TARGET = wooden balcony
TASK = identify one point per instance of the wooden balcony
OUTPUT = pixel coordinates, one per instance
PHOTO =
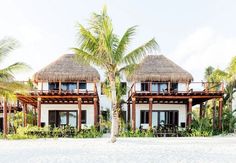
(164, 92)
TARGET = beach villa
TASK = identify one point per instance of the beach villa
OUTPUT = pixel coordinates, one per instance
(158, 93)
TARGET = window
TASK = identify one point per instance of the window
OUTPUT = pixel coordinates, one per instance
(144, 86)
(144, 116)
(53, 86)
(82, 85)
(163, 87)
(123, 86)
(62, 118)
(174, 86)
(68, 86)
(155, 87)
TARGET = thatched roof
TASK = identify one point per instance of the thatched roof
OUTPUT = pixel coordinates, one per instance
(159, 68)
(67, 69)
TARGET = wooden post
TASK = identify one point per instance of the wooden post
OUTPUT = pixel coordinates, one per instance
(39, 111)
(190, 112)
(128, 110)
(150, 112)
(5, 130)
(79, 113)
(35, 116)
(24, 114)
(214, 113)
(201, 111)
(95, 100)
(220, 113)
(133, 114)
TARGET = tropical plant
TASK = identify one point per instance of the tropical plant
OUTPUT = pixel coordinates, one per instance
(8, 85)
(228, 121)
(98, 45)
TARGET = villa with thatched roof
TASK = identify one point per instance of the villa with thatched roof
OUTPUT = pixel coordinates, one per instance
(162, 94)
(66, 94)
(159, 93)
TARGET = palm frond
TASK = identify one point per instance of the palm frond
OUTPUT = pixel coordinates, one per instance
(124, 43)
(128, 69)
(140, 52)
(6, 46)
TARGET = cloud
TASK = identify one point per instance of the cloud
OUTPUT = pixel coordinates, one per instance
(202, 48)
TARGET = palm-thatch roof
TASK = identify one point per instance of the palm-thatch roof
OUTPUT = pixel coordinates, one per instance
(159, 68)
(67, 69)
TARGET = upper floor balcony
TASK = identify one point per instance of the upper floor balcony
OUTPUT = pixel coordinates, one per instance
(66, 88)
(175, 89)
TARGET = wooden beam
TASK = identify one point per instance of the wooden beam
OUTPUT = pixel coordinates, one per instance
(150, 112)
(5, 129)
(133, 114)
(79, 113)
(220, 113)
(39, 112)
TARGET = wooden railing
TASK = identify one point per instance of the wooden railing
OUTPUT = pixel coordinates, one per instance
(167, 87)
(92, 88)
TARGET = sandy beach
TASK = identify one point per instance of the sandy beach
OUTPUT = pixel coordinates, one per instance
(214, 149)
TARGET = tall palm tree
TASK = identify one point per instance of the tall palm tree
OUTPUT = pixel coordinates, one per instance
(98, 45)
(8, 85)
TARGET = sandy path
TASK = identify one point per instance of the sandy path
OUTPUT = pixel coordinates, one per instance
(216, 149)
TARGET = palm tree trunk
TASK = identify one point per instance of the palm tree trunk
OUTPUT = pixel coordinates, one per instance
(114, 124)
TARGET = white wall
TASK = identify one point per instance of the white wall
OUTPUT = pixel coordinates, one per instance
(181, 108)
(45, 86)
(46, 107)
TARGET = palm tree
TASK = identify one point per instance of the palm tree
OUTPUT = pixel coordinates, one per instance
(8, 85)
(98, 45)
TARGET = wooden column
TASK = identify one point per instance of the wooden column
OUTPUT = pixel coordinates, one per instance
(5, 130)
(201, 111)
(79, 113)
(128, 110)
(189, 112)
(35, 116)
(25, 114)
(133, 114)
(95, 100)
(220, 113)
(39, 111)
(150, 113)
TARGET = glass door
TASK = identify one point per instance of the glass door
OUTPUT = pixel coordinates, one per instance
(154, 119)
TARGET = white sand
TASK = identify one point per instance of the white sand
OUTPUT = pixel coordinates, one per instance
(215, 149)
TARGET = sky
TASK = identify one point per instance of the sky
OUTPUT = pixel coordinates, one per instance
(193, 34)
